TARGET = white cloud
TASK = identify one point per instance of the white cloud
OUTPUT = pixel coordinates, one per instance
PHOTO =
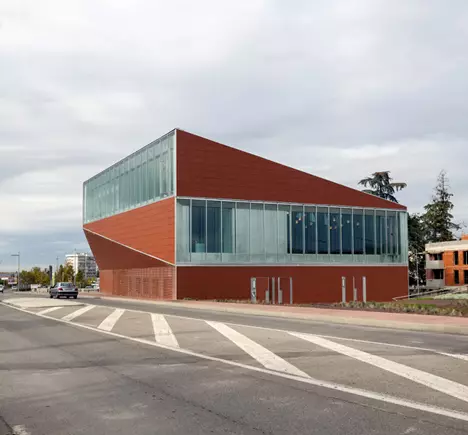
(340, 88)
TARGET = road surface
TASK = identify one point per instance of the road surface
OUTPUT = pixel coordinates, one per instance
(108, 366)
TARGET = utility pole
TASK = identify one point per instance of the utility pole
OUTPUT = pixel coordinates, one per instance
(18, 277)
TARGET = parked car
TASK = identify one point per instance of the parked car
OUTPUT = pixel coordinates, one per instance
(1, 288)
(65, 289)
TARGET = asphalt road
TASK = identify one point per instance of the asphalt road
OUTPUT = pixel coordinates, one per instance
(96, 370)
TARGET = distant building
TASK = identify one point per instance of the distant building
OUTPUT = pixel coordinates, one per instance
(84, 262)
(447, 263)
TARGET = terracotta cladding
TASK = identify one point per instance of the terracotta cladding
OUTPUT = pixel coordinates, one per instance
(149, 229)
(209, 169)
(310, 284)
(124, 272)
(148, 283)
(451, 267)
(111, 255)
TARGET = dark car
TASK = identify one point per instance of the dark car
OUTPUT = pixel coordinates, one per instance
(63, 289)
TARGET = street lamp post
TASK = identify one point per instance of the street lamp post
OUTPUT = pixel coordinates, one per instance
(18, 277)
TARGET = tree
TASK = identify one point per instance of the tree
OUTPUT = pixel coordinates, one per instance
(68, 273)
(417, 239)
(381, 185)
(79, 278)
(438, 218)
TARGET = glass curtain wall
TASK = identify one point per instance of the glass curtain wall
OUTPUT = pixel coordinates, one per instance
(139, 179)
(210, 231)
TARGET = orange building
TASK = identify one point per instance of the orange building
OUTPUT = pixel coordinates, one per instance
(186, 217)
(447, 263)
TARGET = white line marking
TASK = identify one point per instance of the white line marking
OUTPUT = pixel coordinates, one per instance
(429, 380)
(310, 381)
(20, 430)
(264, 356)
(163, 332)
(455, 355)
(333, 337)
(77, 313)
(109, 322)
(48, 310)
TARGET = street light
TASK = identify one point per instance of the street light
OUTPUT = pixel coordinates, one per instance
(18, 278)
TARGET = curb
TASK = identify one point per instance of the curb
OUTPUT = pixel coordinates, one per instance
(440, 327)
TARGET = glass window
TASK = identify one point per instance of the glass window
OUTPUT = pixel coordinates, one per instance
(456, 277)
(157, 177)
(392, 233)
(381, 232)
(163, 168)
(213, 226)
(369, 221)
(144, 177)
(335, 233)
(283, 233)
(228, 224)
(297, 227)
(198, 226)
(358, 231)
(310, 230)
(242, 231)
(183, 230)
(257, 249)
(271, 232)
(323, 229)
(346, 231)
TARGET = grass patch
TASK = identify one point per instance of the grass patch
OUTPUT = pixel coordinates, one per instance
(457, 308)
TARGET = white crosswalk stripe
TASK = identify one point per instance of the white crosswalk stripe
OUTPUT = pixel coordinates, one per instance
(162, 331)
(109, 322)
(264, 356)
(429, 380)
(47, 310)
(78, 313)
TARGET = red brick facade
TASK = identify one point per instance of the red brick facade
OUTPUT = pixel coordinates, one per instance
(212, 170)
(135, 250)
(451, 267)
(116, 242)
(310, 283)
(149, 229)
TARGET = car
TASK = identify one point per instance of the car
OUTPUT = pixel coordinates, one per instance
(1, 288)
(65, 289)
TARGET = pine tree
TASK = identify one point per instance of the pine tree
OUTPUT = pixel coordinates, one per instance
(438, 218)
(382, 185)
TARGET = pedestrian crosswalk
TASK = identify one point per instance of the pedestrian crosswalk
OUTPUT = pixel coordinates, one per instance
(406, 374)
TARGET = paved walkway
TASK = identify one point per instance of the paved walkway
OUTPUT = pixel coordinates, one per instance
(415, 322)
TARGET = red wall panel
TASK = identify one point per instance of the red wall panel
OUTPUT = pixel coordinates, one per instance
(124, 272)
(148, 283)
(209, 169)
(310, 284)
(149, 229)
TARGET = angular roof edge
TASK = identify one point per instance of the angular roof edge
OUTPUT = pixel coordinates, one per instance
(394, 205)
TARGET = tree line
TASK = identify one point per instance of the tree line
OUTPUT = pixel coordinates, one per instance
(435, 224)
(64, 274)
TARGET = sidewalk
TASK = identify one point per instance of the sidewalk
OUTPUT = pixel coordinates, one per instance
(414, 322)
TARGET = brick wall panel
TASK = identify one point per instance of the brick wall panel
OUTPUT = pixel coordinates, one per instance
(149, 229)
(209, 169)
(310, 284)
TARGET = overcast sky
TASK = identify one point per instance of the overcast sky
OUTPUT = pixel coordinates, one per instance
(340, 89)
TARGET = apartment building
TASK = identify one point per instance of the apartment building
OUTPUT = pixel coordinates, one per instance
(447, 263)
(83, 262)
